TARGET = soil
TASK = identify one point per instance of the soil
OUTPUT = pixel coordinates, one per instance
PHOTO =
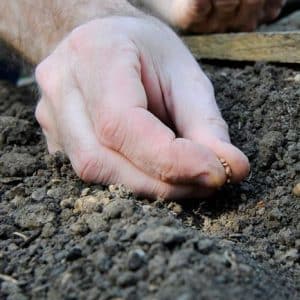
(63, 239)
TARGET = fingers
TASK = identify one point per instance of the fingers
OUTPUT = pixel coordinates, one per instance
(237, 161)
(204, 8)
(248, 15)
(198, 119)
(94, 162)
(149, 144)
(124, 124)
(45, 117)
(225, 9)
(153, 148)
(272, 9)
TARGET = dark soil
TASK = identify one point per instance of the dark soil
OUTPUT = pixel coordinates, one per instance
(63, 239)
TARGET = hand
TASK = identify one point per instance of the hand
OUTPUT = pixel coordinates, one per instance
(204, 16)
(127, 102)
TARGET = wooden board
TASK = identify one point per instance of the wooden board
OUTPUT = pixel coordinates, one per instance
(258, 46)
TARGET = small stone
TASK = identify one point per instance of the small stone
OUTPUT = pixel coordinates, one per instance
(114, 209)
(39, 194)
(74, 254)
(112, 247)
(33, 216)
(290, 255)
(275, 214)
(261, 211)
(85, 192)
(87, 204)
(96, 222)
(244, 269)
(120, 190)
(127, 279)
(161, 234)
(136, 259)
(79, 228)
(67, 203)
(205, 246)
(180, 259)
(103, 262)
(48, 230)
(104, 201)
(297, 78)
(175, 208)
(17, 164)
(296, 190)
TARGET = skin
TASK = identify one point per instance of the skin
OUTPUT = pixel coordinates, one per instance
(205, 16)
(123, 109)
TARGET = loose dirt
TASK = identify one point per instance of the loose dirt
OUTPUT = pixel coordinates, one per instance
(63, 239)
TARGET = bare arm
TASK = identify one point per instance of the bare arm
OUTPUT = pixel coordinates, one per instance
(35, 27)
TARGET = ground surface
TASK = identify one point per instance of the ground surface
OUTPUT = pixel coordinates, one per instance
(63, 239)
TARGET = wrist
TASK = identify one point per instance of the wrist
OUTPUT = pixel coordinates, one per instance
(81, 12)
(36, 29)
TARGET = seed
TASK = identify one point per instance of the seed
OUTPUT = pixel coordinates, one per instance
(228, 171)
(296, 190)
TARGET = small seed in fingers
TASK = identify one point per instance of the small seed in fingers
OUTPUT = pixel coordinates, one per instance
(227, 170)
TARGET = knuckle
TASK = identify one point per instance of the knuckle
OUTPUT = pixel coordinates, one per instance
(88, 166)
(78, 39)
(47, 81)
(160, 190)
(273, 14)
(110, 131)
(39, 114)
(209, 86)
(41, 72)
(170, 170)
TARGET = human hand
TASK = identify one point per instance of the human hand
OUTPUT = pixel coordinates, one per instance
(127, 102)
(206, 16)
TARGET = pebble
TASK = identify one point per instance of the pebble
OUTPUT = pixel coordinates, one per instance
(114, 209)
(127, 279)
(74, 254)
(136, 259)
(275, 214)
(297, 78)
(103, 262)
(161, 234)
(291, 255)
(39, 194)
(33, 216)
(17, 164)
(79, 228)
(87, 204)
(85, 192)
(48, 230)
(55, 192)
(296, 190)
(205, 246)
(175, 208)
(67, 203)
(96, 222)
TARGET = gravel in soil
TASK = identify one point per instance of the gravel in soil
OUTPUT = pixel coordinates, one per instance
(63, 239)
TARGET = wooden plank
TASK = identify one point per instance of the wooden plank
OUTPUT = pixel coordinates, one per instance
(258, 46)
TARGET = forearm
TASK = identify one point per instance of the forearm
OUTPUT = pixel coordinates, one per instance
(34, 27)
